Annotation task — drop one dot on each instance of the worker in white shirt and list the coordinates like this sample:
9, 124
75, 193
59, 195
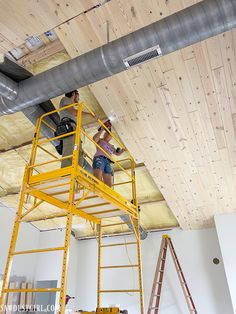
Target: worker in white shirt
70, 115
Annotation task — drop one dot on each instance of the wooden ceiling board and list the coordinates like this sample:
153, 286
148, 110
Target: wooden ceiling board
176, 114
21, 19
8, 38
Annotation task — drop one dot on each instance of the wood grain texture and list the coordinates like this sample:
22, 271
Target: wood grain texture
21, 19
176, 114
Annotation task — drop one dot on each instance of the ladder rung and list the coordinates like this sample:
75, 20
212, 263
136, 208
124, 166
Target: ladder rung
118, 266
39, 250
118, 244
157, 295
112, 291
154, 308
161, 271
159, 282
32, 290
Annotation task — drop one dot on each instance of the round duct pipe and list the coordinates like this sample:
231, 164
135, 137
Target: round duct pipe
8, 87
184, 28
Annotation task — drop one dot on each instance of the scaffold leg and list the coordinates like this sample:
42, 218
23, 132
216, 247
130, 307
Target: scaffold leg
140, 270
62, 300
65, 264
135, 224
99, 229
138, 266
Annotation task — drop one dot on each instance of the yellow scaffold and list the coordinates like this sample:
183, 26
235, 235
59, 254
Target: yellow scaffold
76, 192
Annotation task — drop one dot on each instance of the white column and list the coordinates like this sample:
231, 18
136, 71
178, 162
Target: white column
226, 231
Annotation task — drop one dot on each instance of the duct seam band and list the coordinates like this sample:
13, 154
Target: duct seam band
104, 61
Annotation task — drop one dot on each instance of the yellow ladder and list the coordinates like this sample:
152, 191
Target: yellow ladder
12, 252
138, 266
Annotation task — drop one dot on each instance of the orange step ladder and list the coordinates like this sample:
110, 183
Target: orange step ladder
154, 303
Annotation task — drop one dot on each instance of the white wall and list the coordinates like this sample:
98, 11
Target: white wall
195, 250
226, 230
23, 265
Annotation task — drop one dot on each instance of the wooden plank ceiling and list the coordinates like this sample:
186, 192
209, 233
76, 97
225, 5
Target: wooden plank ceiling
176, 114
41, 16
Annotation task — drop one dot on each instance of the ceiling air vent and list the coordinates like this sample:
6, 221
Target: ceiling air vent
143, 56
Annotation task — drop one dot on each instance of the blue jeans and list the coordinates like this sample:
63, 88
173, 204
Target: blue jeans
102, 163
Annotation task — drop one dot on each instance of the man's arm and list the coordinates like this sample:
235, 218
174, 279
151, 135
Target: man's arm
74, 111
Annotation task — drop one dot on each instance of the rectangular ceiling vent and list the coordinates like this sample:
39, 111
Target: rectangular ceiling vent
143, 56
